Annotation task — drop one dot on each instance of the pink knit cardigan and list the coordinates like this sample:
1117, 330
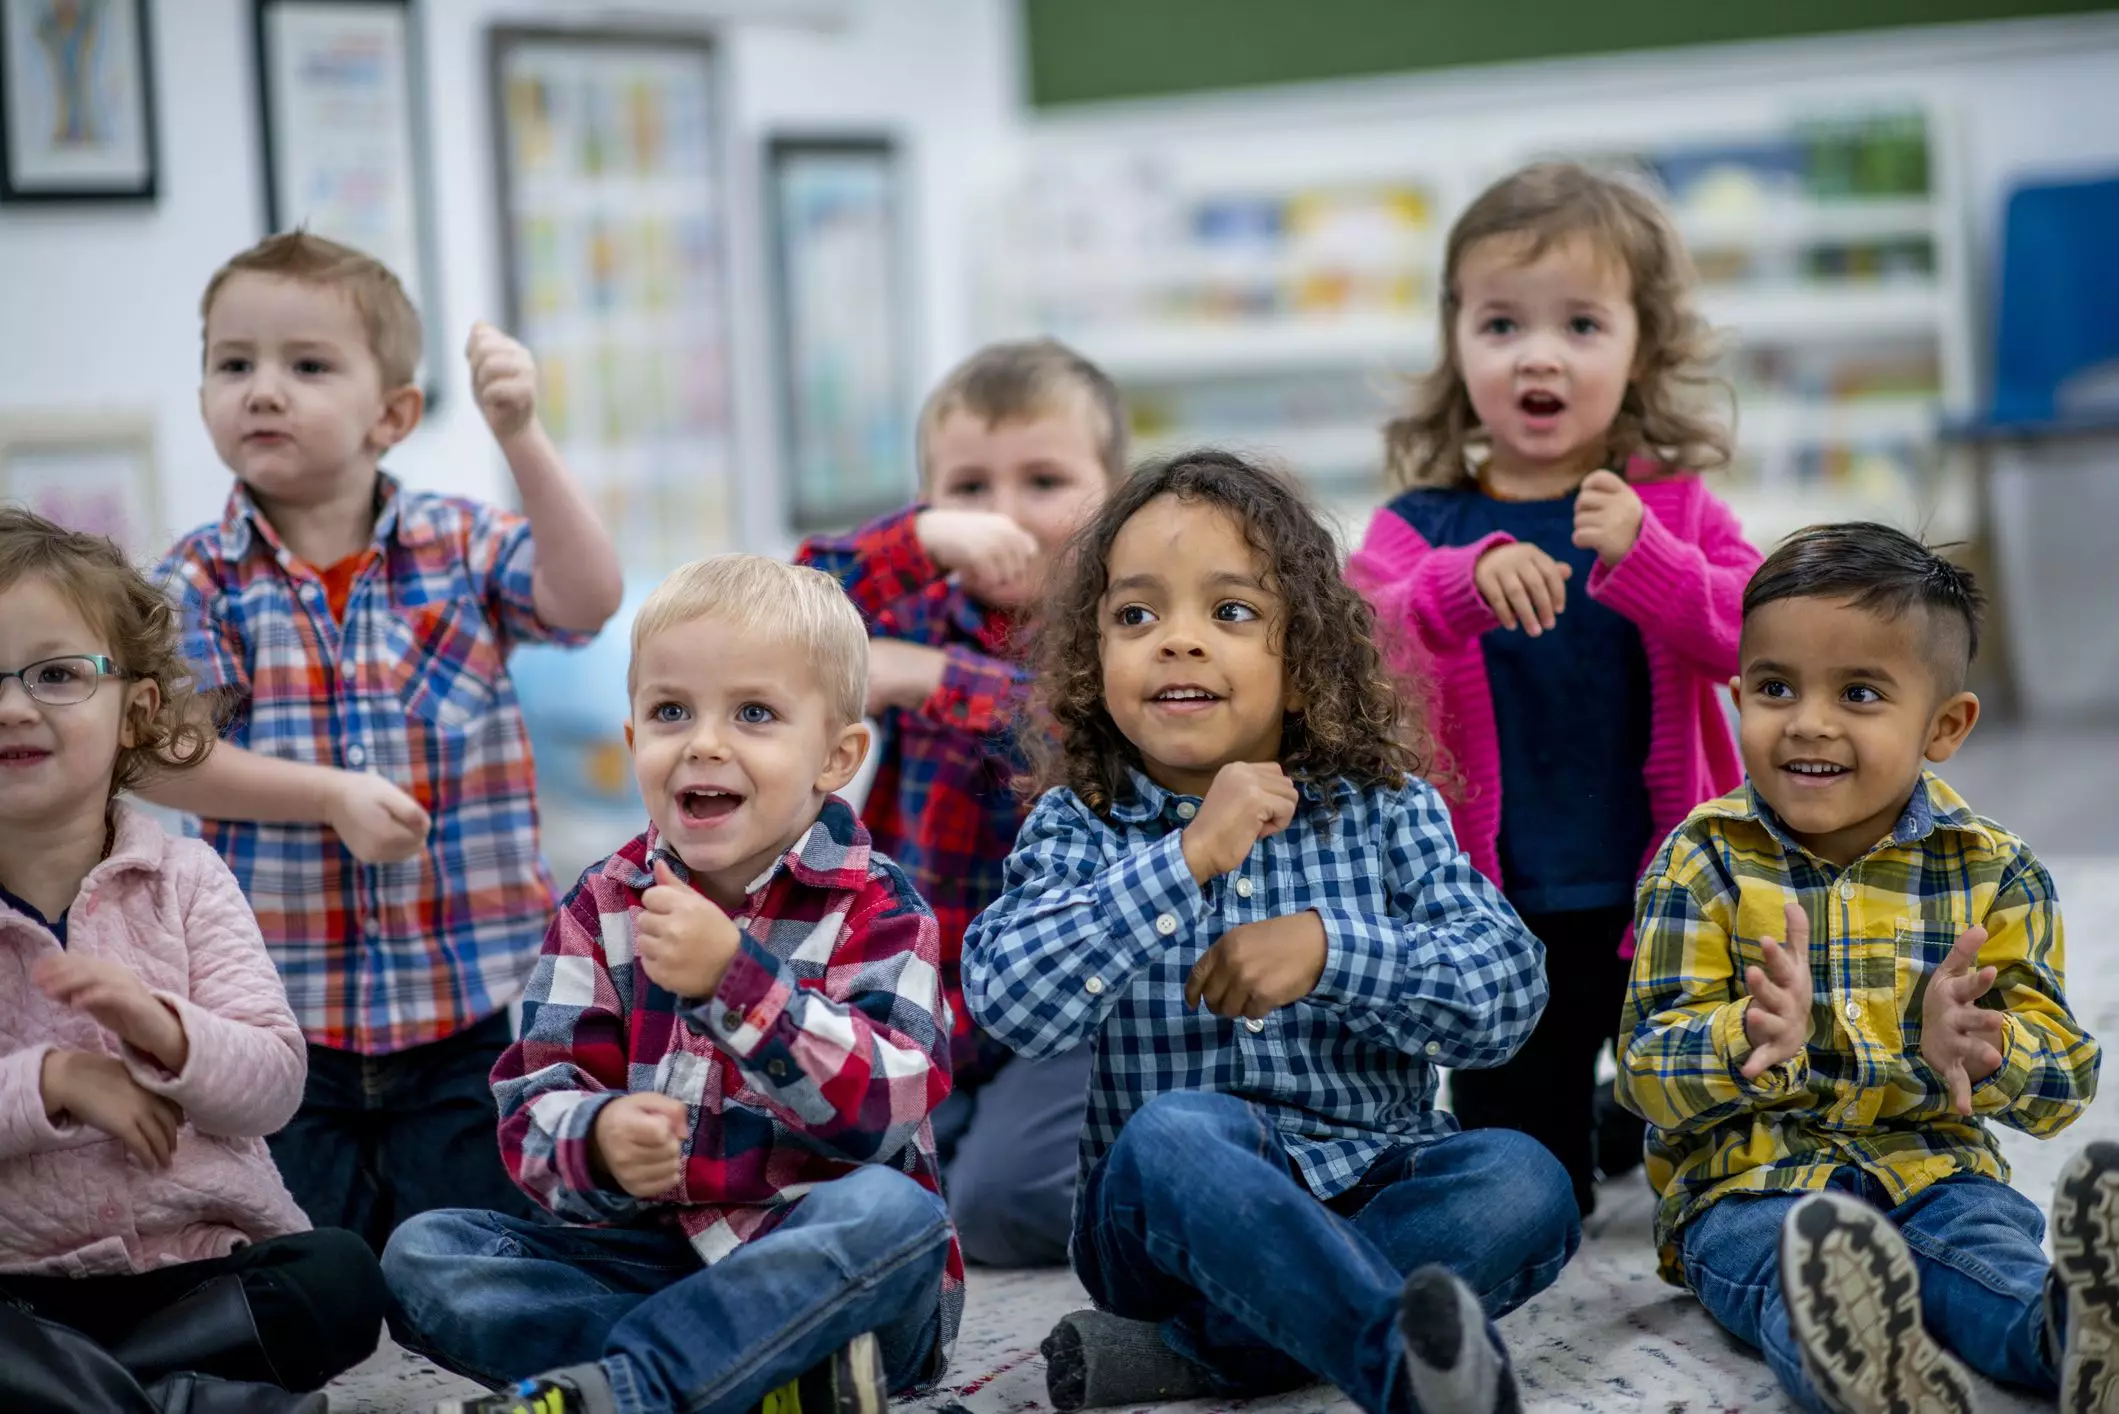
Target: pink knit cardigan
1682, 585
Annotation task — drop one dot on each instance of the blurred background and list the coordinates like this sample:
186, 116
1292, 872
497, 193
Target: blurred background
743, 236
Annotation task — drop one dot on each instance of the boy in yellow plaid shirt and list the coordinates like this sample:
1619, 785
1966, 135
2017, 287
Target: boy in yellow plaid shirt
1819, 1108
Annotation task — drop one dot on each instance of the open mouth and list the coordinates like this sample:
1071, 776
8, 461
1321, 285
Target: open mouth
707, 805
21, 755
1185, 697
1538, 403
1815, 772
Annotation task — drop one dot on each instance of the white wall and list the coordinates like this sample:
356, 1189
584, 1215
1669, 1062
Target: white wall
99, 307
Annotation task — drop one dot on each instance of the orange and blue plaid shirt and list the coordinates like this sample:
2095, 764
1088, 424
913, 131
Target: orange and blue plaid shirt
413, 684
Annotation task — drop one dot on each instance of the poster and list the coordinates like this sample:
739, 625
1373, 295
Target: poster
92, 474
76, 101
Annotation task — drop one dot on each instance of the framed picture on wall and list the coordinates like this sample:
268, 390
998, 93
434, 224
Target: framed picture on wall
839, 314
342, 103
76, 101
89, 472
613, 221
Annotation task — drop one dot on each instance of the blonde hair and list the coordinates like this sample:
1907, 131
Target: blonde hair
802, 607
386, 313
140, 624
1661, 416
1032, 378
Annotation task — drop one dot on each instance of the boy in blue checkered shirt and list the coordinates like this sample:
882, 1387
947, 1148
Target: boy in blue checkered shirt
1239, 890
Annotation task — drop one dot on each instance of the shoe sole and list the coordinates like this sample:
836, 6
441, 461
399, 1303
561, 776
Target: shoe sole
2086, 1253
1853, 1299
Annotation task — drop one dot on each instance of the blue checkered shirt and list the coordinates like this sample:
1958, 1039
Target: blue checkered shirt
1426, 965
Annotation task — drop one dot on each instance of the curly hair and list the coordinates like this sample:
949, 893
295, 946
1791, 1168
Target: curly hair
140, 625
1356, 725
1663, 415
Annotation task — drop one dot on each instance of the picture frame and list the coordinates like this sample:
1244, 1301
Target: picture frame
342, 117
835, 211
89, 471
610, 154
77, 111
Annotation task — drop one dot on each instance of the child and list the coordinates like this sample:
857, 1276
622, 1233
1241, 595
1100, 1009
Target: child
1546, 452
144, 1235
375, 796
1238, 890
1018, 447
1917, 997
735, 1132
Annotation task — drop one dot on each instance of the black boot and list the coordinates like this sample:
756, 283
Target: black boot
47, 1368
210, 1329
203, 1394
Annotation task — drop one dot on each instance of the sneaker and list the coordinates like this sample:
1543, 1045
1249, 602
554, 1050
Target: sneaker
1854, 1307
850, 1382
580, 1389
2086, 1264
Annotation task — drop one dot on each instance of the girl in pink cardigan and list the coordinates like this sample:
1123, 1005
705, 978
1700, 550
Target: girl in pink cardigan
149, 1255
1569, 594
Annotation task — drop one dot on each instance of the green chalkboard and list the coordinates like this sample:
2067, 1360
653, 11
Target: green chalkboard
1081, 51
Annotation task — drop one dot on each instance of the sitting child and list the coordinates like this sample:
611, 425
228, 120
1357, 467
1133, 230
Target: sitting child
1238, 888
736, 1130
1820, 1106
145, 1237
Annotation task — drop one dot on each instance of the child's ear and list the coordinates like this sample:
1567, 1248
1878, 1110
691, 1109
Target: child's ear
142, 700
845, 758
1736, 693
629, 733
402, 409
1953, 723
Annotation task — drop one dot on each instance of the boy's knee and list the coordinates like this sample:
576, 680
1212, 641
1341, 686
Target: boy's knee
435, 1239
891, 1207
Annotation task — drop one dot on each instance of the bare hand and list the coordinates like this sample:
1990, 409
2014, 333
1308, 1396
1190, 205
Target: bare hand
99, 1092
1248, 801
992, 553
1260, 967
1961, 1041
638, 1139
1608, 516
1525, 587
1777, 1022
683, 940
120, 1003
902, 674
503, 380
378, 822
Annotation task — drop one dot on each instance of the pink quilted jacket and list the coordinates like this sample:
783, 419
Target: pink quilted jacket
73, 1202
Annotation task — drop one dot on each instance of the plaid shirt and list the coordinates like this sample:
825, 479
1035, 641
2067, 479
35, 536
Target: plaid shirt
824, 1048
943, 803
414, 685
1861, 1095
1425, 965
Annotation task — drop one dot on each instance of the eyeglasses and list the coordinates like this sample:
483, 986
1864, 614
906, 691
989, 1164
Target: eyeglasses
62, 682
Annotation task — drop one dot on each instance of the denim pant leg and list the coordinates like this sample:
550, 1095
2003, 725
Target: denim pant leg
326, 1153
1733, 1265
865, 1252
1011, 1187
496, 1298
1977, 1244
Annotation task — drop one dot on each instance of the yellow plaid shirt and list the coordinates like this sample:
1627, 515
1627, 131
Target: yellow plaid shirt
1861, 1096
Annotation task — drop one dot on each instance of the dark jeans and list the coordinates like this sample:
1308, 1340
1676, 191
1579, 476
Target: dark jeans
1548, 1089
1196, 1220
379, 1138
317, 1299
1011, 1146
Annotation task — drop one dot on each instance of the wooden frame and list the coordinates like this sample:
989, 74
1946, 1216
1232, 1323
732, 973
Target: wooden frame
90, 137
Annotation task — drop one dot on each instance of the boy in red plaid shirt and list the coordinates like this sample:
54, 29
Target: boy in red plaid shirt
1018, 446
731, 1048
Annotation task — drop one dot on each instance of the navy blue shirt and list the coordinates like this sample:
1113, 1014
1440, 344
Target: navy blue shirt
1571, 711
29, 911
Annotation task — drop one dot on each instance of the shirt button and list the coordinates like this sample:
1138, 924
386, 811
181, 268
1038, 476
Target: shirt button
356, 754
777, 1070
1165, 925
1243, 888
1186, 810
1853, 1011
1434, 1048
373, 927
1846, 888
346, 668
731, 1021
1094, 986
1253, 1025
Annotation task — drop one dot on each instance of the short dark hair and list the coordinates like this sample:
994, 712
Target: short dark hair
1879, 569
1031, 378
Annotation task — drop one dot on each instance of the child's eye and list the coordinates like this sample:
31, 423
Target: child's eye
1583, 324
1048, 482
1500, 326
755, 714
668, 712
1234, 611
1862, 695
966, 490
1774, 687
61, 672
232, 365
310, 367
1135, 615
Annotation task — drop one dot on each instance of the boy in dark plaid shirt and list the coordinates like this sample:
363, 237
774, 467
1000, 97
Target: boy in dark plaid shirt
1018, 446
731, 1048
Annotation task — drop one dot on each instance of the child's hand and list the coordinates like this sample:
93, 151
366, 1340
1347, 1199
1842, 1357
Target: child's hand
503, 380
684, 941
98, 1091
1961, 1042
377, 822
1260, 967
638, 1140
902, 674
990, 551
120, 1003
1248, 801
1525, 587
1777, 1022
1607, 516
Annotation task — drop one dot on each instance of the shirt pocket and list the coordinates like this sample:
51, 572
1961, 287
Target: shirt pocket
1922, 941
445, 662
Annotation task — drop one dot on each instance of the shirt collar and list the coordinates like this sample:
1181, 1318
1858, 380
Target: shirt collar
1932, 806
407, 518
832, 854
1145, 800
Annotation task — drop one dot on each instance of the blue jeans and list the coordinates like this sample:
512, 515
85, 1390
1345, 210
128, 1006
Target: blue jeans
1976, 1247
1195, 1219
496, 1299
